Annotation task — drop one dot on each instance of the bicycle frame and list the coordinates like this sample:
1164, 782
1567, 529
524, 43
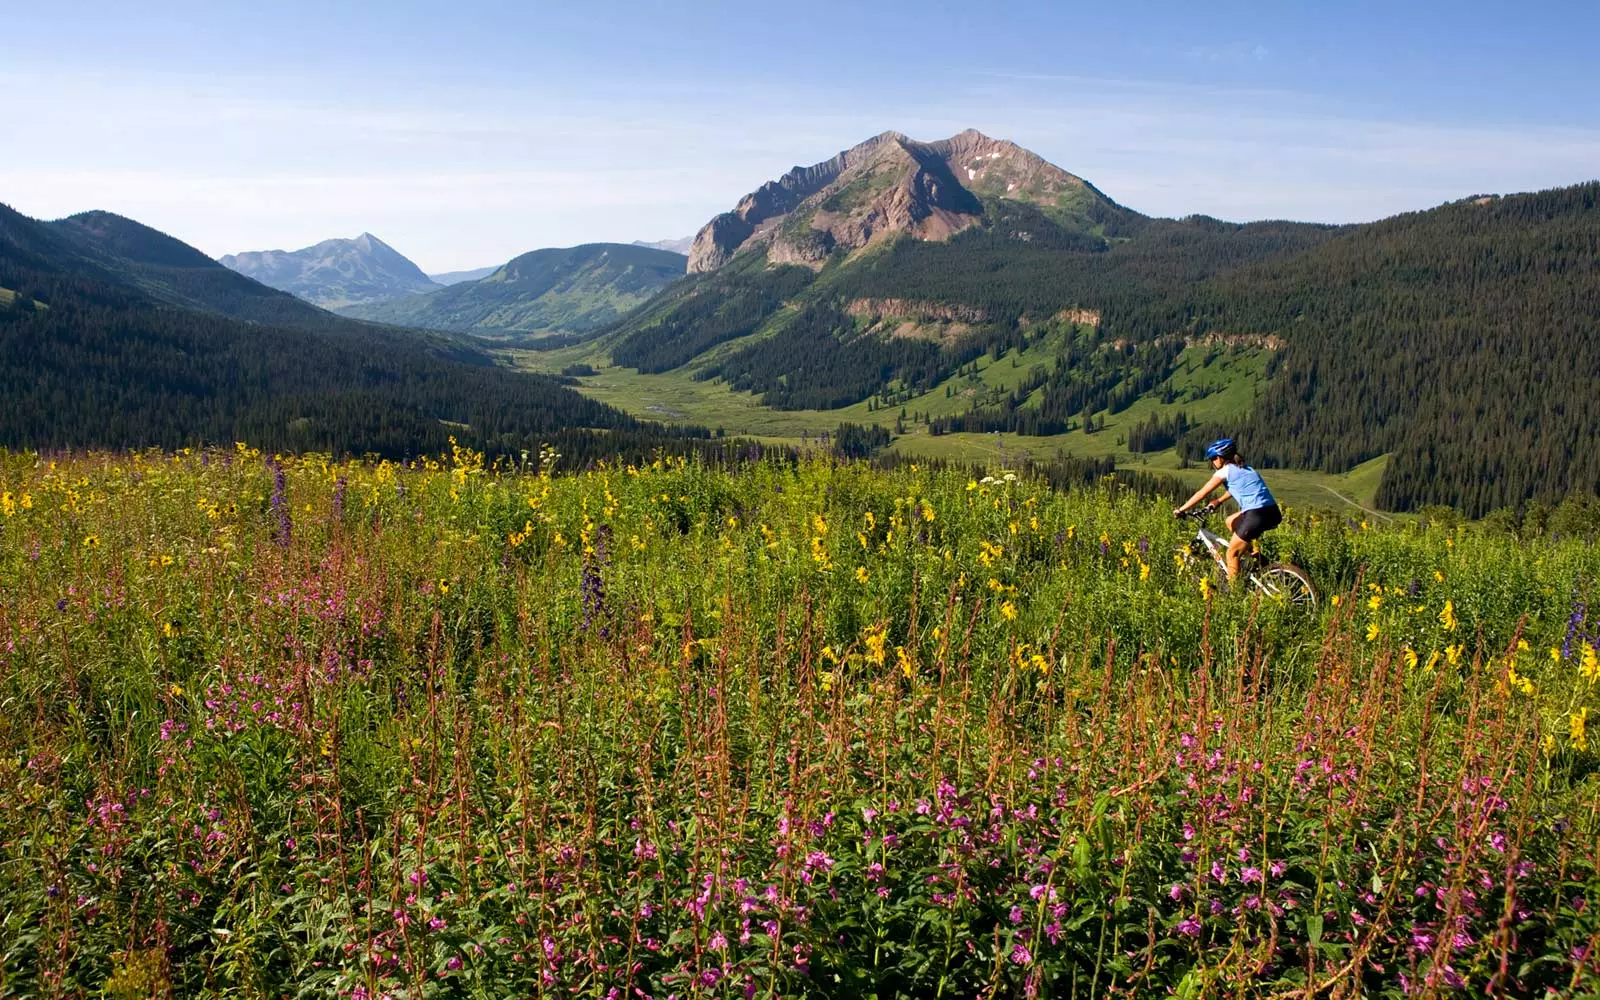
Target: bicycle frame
1272, 580
1217, 546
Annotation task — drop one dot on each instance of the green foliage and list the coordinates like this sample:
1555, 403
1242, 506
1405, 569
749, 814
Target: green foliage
108, 365
703, 313
856, 441
575, 290
287, 726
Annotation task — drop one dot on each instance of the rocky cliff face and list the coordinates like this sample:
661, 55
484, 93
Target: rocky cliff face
886, 186
336, 273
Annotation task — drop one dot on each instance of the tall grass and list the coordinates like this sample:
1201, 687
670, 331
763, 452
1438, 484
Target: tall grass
276, 727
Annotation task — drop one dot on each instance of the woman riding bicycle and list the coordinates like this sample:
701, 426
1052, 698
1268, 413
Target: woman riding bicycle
1258, 512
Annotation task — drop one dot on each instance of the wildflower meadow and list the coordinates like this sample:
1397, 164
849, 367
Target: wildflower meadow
286, 726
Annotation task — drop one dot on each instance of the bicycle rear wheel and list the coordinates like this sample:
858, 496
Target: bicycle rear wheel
1290, 583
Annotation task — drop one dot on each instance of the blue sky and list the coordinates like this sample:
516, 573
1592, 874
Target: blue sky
465, 133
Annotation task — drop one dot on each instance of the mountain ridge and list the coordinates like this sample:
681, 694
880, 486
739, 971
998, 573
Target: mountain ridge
95, 351
555, 290
336, 273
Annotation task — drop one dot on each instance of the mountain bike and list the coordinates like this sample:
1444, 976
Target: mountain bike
1280, 581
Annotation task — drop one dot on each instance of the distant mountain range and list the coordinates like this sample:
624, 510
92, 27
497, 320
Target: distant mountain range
336, 273
573, 290
680, 245
1462, 342
457, 277
113, 334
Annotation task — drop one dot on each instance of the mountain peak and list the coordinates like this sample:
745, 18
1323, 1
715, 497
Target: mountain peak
336, 273
890, 185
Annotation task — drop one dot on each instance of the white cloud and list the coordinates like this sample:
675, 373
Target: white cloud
473, 177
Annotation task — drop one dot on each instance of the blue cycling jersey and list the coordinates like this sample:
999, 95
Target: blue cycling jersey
1246, 486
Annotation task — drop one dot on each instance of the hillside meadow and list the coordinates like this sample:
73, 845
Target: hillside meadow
278, 726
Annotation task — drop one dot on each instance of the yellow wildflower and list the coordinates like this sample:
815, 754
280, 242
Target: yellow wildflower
1453, 654
1447, 617
1375, 602
1411, 658
91, 541
1589, 664
1144, 570
875, 647
1518, 682
1205, 587
861, 574
1008, 611
1577, 728
904, 662
1039, 663
1433, 660
1372, 632
927, 513
1438, 576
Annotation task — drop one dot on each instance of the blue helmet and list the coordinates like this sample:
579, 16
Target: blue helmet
1221, 448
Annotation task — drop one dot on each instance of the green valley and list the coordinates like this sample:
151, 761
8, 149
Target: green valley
573, 290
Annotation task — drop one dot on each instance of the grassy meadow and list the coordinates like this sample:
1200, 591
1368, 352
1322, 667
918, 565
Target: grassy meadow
1209, 385
279, 727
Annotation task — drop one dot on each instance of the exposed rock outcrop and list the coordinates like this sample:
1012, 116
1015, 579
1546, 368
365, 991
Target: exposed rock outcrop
889, 185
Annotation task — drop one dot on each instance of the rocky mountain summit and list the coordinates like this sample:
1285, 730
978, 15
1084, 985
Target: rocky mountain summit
893, 185
336, 273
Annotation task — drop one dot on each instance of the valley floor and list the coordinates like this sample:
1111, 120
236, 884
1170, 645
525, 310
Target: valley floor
1214, 387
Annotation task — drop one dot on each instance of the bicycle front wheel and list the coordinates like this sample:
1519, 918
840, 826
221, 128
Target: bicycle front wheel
1290, 583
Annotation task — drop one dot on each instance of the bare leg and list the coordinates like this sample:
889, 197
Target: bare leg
1236, 547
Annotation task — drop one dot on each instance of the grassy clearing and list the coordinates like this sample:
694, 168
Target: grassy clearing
284, 726
1208, 385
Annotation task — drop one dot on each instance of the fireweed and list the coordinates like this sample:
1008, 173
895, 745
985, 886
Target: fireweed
815, 731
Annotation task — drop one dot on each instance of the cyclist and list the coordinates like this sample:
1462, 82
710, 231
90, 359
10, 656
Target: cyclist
1258, 512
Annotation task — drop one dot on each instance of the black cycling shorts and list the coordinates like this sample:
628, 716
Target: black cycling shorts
1252, 524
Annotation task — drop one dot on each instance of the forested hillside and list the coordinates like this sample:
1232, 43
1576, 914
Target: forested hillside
1463, 341
568, 290
88, 361
124, 252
